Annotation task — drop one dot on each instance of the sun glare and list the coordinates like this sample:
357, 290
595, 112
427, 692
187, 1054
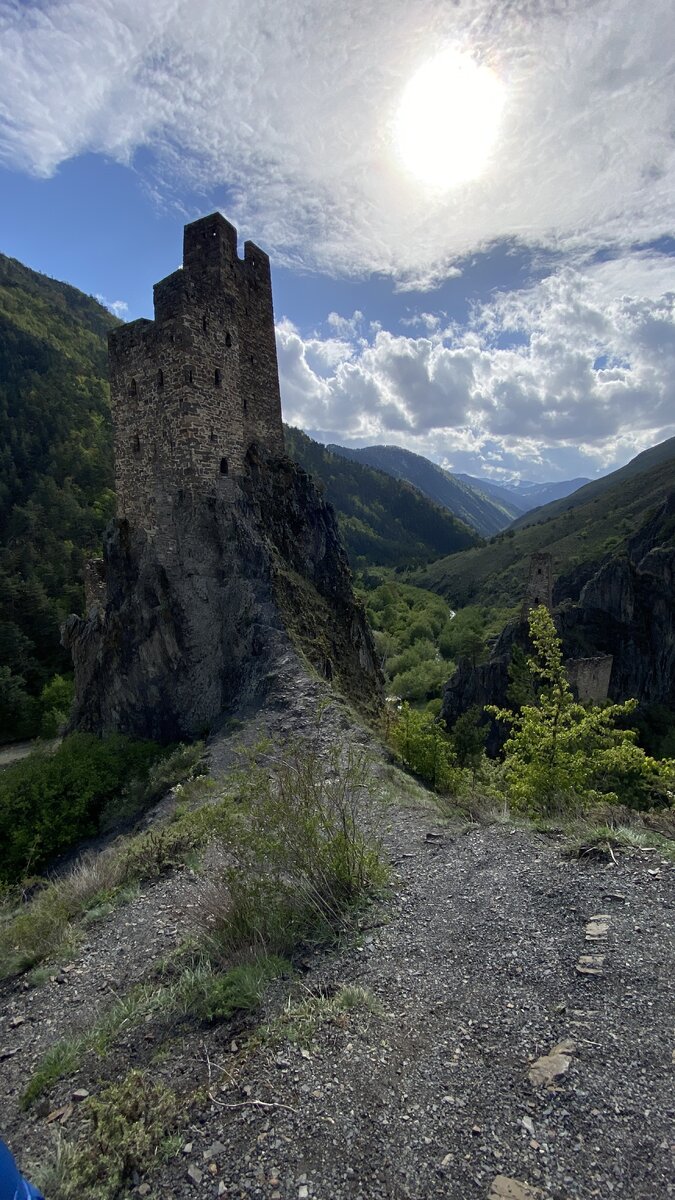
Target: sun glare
448, 119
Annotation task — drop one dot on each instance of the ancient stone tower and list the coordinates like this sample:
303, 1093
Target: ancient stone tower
539, 588
192, 390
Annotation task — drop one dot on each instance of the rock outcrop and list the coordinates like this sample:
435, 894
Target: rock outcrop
192, 629
624, 608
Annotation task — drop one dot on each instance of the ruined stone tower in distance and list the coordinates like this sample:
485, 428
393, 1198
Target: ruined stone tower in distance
194, 389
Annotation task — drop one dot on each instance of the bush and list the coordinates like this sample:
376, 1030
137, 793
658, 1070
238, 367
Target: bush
56, 699
561, 754
303, 859
238, 990
49, 801
422, 744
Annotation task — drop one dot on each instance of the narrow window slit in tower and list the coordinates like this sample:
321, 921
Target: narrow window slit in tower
252, 360
223, 466
137, 444
205, 323
133, 389
188, 374
228, 340
217, 377
213, 437
160, 379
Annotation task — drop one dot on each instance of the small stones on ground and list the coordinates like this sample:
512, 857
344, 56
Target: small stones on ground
504, 1188
79, 1095
144, 1189
194, 1173
590, 964
222, 1190
552, 1066
528, 1125
303, 1192
215, 1151
597, 928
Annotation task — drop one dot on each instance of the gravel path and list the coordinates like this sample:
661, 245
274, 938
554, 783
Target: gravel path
473, 960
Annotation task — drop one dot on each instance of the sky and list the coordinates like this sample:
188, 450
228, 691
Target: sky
468, 204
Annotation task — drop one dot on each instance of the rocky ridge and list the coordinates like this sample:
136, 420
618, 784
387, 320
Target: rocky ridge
192, 624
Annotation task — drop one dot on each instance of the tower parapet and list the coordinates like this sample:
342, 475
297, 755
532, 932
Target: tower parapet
192, 390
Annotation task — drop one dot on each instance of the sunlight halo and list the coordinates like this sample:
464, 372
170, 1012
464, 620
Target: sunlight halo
448, 119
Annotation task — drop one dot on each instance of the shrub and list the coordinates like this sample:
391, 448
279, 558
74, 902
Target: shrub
561, 753
421, 743
241, 989
48, 801
303, 858
56, 699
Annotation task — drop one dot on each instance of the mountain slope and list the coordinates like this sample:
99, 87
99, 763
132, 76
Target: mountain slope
485, 514
384, 521
524, 496
55, 473
579, 537
648, 459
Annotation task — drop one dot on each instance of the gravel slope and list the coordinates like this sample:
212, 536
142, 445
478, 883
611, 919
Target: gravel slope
473, 960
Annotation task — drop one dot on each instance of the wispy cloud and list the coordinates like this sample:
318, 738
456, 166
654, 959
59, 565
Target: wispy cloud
293, 116
119, 308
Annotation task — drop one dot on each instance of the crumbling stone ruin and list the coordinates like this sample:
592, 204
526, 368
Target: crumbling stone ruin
589, 677
539, 587
224, 562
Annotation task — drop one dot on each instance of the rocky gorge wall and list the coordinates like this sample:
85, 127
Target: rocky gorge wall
624, 608
192, 630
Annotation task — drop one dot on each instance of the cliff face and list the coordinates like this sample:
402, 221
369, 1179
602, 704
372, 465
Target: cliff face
193, 628
626, 608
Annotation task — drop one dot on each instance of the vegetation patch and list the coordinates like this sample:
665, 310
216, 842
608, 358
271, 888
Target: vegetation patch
303, 861
127, 1130
562, 755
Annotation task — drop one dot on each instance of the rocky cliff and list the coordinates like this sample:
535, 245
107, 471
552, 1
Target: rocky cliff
624, 608
192, 629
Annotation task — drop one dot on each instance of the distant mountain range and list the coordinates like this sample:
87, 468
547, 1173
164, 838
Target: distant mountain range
525, 494
487, 514
581, 532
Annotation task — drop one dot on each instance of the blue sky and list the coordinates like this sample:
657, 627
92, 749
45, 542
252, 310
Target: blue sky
520, 321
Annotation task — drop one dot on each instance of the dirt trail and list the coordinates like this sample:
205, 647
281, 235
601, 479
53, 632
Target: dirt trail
473, 960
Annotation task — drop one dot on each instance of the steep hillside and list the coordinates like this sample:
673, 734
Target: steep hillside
656, 456
524, 495
384, 521
579, 537
477, 509
55, 473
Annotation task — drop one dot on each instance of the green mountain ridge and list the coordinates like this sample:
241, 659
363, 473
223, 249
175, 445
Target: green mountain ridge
484, 513
384, 521
586, 528
55, 471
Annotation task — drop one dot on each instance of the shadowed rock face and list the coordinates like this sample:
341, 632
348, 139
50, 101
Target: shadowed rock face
194, 627
625, 608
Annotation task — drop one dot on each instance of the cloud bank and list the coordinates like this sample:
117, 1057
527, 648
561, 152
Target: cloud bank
571, 376
291, 109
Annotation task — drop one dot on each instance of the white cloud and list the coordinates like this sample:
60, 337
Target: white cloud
293, 113
574, 374
119, 308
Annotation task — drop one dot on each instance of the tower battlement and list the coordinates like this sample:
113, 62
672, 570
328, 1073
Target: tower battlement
192, 390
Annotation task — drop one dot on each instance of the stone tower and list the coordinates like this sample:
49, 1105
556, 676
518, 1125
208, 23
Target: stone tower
194, 389
539, 588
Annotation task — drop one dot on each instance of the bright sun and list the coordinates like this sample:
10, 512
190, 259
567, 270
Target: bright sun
448, 119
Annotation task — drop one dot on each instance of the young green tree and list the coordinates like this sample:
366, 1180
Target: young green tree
469, 734
560, 753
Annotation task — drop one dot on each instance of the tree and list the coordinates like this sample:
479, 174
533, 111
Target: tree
560, 752
469, 734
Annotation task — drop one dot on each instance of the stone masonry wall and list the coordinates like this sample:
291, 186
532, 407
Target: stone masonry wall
539, 589
192, 390
589, 678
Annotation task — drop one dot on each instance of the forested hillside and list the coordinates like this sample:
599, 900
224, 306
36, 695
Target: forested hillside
577, 535
482, 512
384, 521
55, 474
